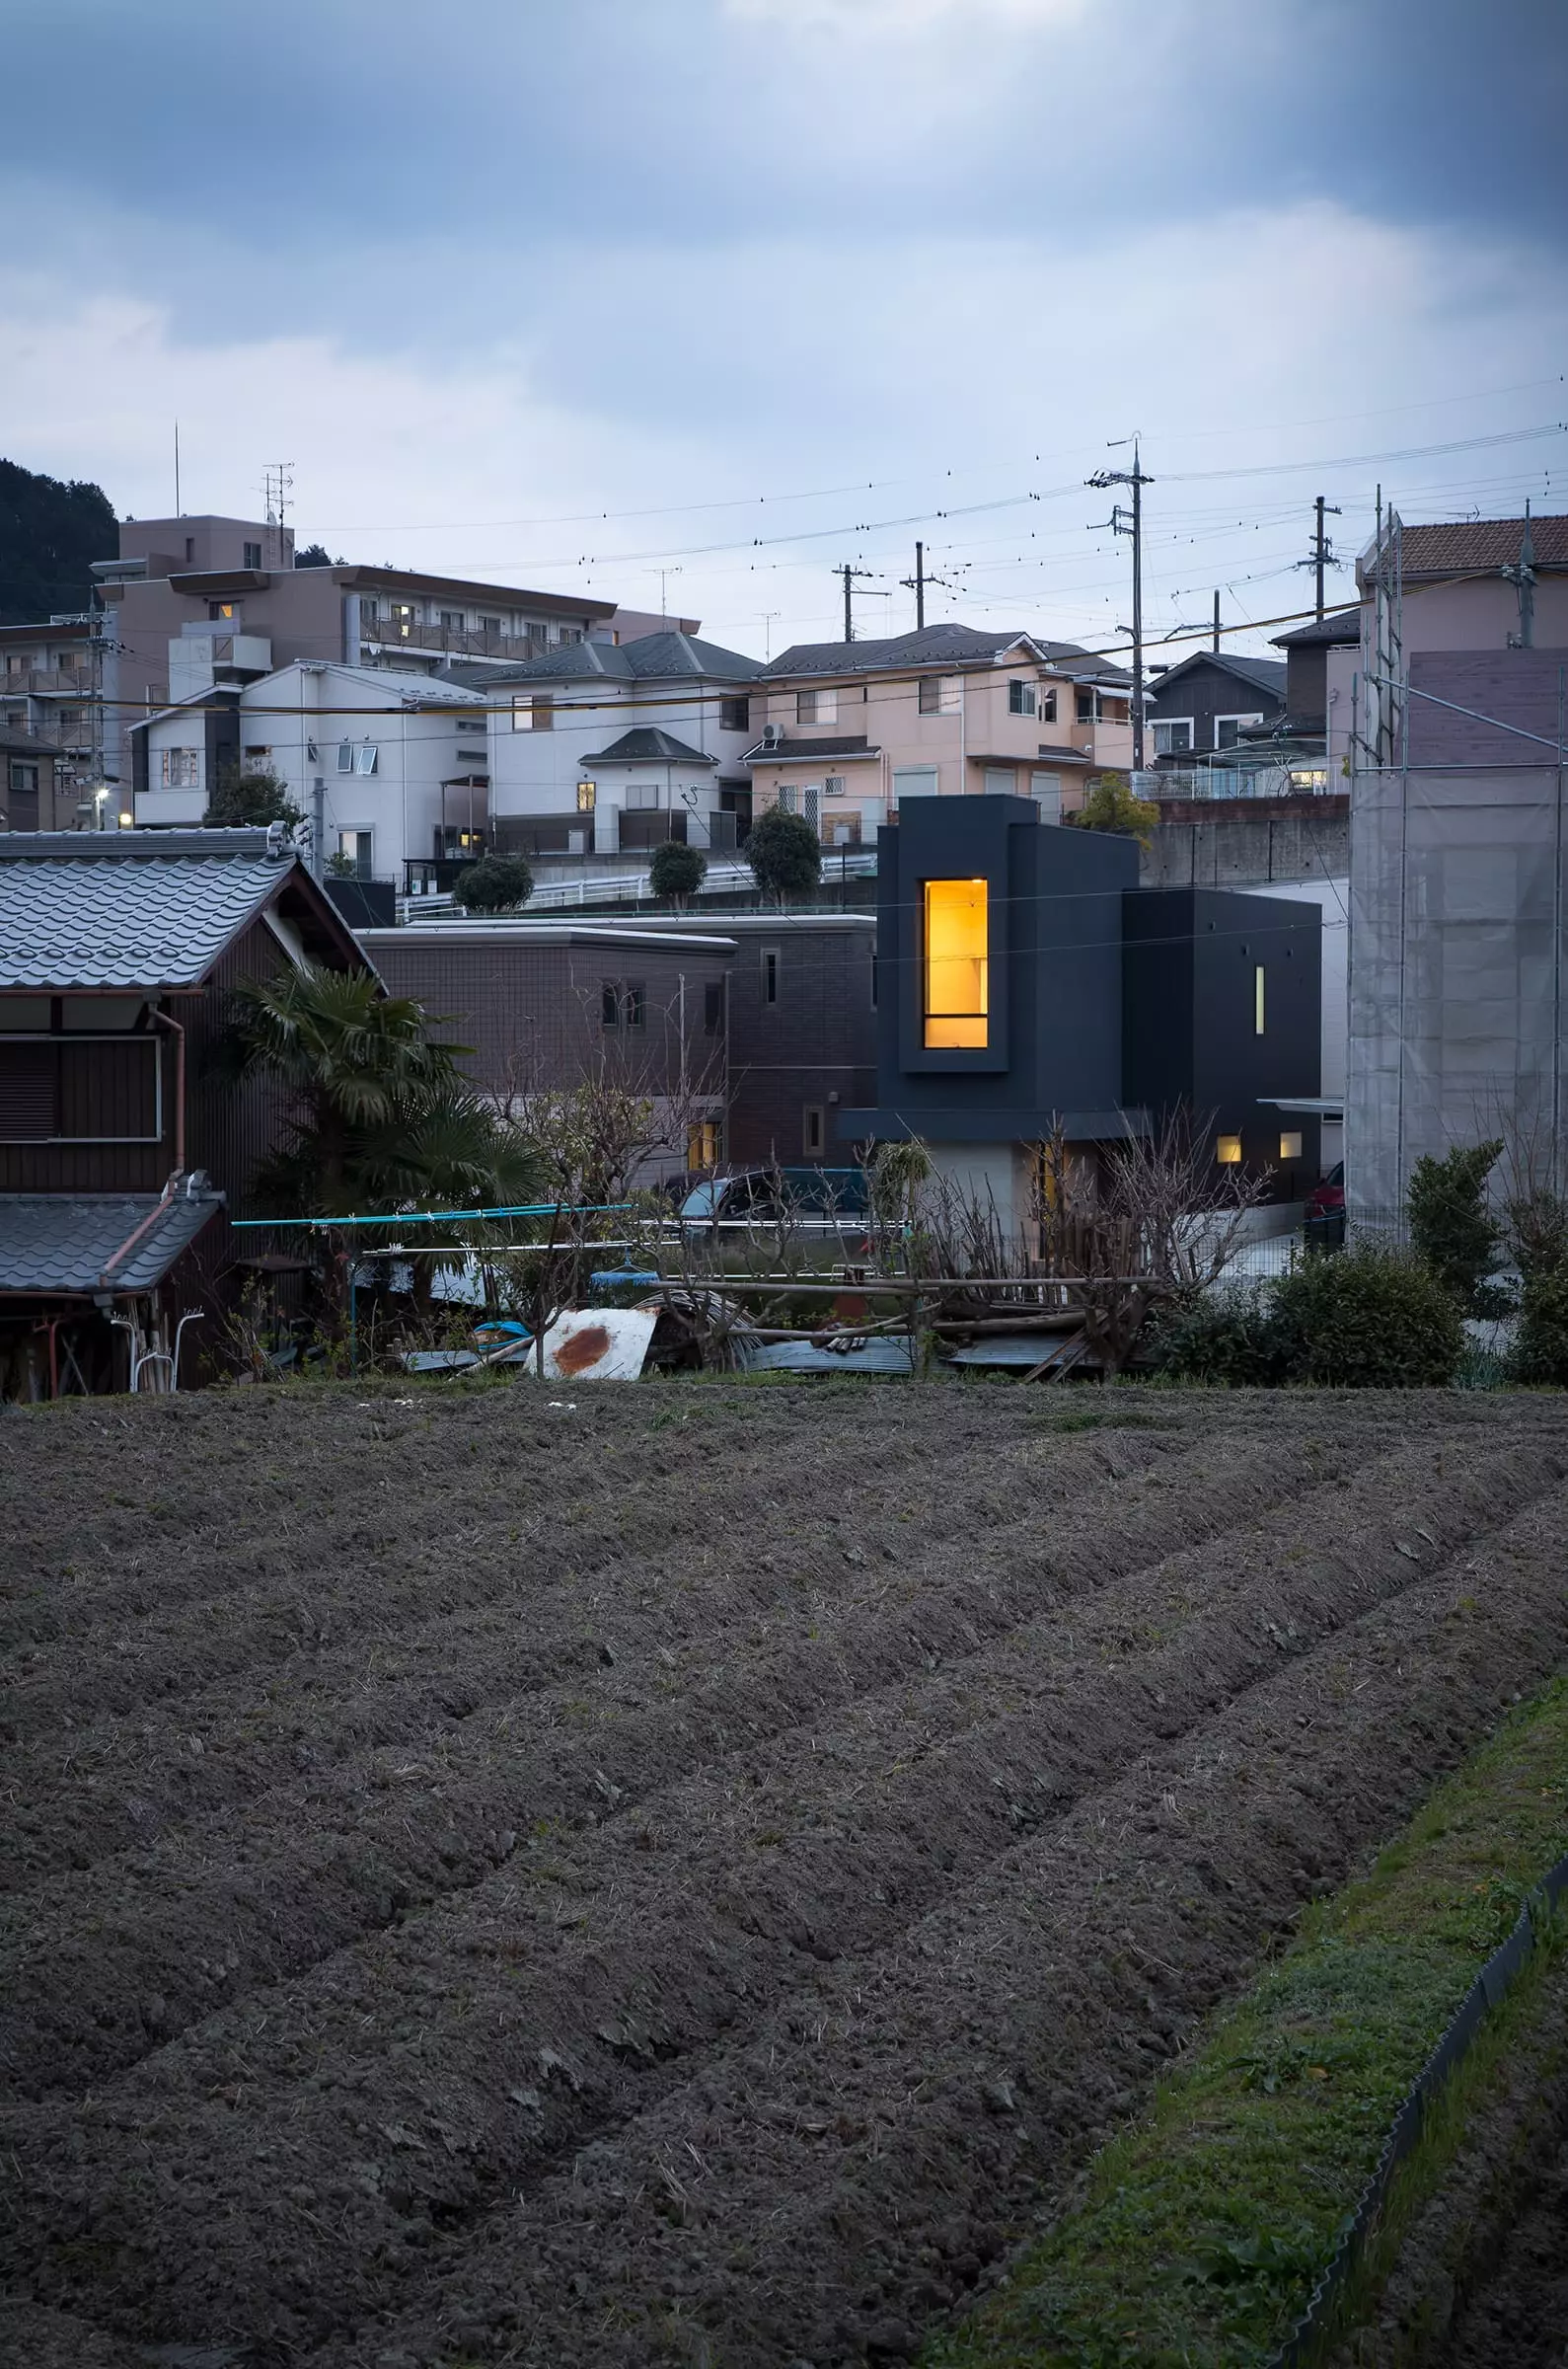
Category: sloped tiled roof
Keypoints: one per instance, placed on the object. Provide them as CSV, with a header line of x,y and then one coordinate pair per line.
x,y
1343,627
808,752
67,1241
127,909
1260,675
1465,546
647,745
933,645
650,657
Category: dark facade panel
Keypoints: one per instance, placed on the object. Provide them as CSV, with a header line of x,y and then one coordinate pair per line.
x,y
1206,692
802,1040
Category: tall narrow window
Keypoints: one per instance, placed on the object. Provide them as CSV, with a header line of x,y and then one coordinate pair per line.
x,y
813,1131
1228,1150
957,963
1257,1001
770,975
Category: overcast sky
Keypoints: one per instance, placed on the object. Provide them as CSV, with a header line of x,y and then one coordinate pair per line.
x,y
564,294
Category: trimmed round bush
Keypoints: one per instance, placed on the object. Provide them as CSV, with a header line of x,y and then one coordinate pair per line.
x,y
1367,1319
494,885
677,871
785,855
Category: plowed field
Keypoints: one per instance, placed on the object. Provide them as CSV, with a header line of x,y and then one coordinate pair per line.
x,y
686,1877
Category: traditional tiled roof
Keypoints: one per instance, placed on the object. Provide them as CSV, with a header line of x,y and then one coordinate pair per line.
x,y
1343,627
936,646
70,1241
127,909
1475,547
646,744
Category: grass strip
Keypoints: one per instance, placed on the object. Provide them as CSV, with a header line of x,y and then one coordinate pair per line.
x,y
1202,2231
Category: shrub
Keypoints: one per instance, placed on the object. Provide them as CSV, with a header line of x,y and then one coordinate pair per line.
x,y
1541,1345
494,885
1451,1225
1537,1230
254,798
785,855
1110,804
677,871
1368,1319
1226,1338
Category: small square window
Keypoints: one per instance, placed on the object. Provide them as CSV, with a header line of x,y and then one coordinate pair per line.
x,y
817,707
1290,1144
367,756
734,715
1227,1151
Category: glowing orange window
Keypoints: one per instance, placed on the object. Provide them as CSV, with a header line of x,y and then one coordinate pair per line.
x,y
958,966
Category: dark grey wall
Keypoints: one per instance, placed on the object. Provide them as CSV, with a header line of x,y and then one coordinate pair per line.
x,y
1189,1023
1055,916
813,1048
1526,688
1208,691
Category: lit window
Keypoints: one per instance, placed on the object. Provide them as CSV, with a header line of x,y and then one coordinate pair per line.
x,y
587,791
702,1144
1020,699
1227,1151
957,963
1291,1145
1257,1001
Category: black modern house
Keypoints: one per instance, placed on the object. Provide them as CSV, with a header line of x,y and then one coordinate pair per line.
x,y
1028,983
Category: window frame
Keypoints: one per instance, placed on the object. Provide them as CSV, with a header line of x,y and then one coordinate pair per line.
x,y
1022,698
1174,724
813,1130
819,705
1251,715
949,1026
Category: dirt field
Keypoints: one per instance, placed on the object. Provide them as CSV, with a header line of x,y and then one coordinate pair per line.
x,y
686,1877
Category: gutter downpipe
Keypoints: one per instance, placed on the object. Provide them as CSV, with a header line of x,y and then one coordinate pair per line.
x,y
163,1020
118,1258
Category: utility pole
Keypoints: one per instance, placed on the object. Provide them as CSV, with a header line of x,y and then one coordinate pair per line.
x,y
917,583
1321,555
848,575
1135,478
1522,576
1216,618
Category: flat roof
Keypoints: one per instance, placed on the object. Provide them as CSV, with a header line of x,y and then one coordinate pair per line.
x,y
522,931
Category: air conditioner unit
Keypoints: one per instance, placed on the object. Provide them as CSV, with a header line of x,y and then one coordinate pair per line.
x,y
773,735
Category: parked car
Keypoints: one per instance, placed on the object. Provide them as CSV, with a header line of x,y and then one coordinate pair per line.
x,y
1323,1227
819,1199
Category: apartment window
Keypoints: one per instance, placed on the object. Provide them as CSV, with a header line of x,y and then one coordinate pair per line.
x,y
813,1131
713,1006
190,548
1000,781
489,625
734,715
401,619
1258,1013
355,846
817,707
179,767
1228,729
770,974
1172,735
702,1144
956,964
939,694
1048,705
587,797
533,714
83,1092
65,661
70,720
24,778
642,797
835,786
252,555
221,612
1290,1144
1020,697
346,756
1228,1150
452,619
913,781
256,758
609,1005
1083,704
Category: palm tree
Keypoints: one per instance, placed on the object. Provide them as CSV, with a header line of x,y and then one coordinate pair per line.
x,y
383,1114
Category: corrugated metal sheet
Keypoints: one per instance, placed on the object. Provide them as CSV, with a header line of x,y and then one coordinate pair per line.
x,y
858,1357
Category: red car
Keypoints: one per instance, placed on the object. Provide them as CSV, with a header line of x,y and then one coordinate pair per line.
x,y
1328,1197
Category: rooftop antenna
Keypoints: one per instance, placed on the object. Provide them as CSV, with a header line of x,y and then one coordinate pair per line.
x,y
275,484
662,574
179,512
765,618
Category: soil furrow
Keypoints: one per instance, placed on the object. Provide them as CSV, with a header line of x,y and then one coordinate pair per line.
x,y
653,1977
389,1834
827,2184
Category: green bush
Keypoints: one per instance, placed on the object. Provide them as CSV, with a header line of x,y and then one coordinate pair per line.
x,y
494,885
1541,1345
1368,1319
1226,1338
785,855
1450,1226
677,871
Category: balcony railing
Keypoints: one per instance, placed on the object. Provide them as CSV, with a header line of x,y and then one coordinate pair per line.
x,y
455,641
1239,781
47,679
